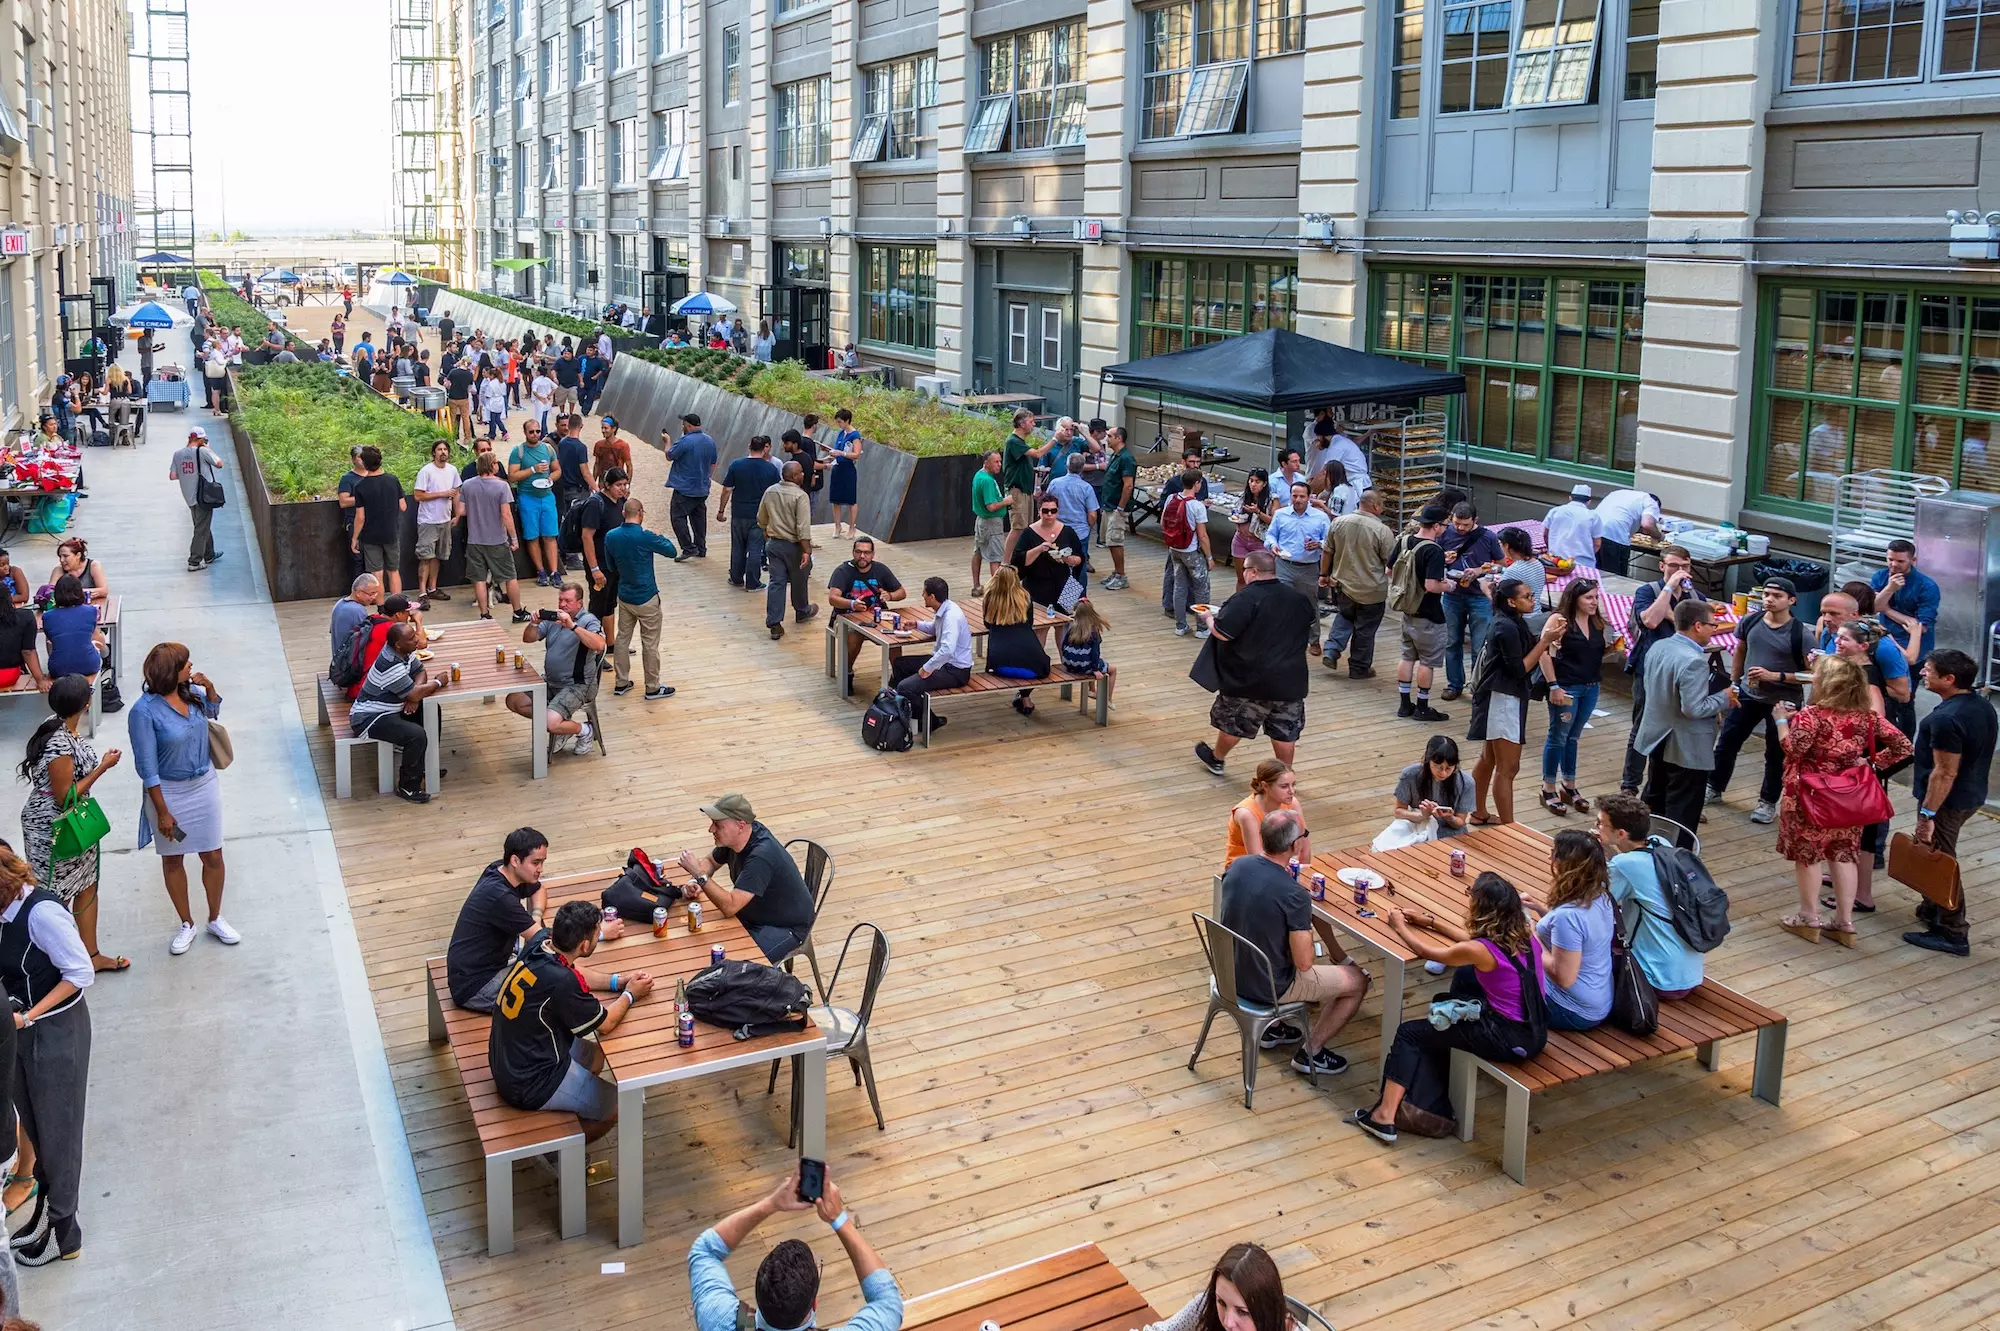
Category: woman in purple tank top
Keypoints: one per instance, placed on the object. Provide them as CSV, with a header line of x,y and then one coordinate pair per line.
x,y
1499,962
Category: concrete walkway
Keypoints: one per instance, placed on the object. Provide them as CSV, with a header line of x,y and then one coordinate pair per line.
x,y
245,1162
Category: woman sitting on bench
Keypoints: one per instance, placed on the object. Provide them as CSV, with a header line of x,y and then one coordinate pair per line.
x,y
1013,648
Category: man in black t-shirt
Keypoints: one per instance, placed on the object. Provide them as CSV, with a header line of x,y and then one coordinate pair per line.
x,y
862,585
539,1046
767,894
603,513
1423,632
1954,751
458,382
568,374
1255,661
506,905
378,520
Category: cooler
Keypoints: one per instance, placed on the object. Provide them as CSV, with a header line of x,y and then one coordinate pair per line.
x,y
1958,545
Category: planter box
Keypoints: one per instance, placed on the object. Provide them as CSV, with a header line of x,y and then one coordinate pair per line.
x,y
901,497
468,314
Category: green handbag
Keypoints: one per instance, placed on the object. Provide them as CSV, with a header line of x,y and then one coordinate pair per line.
x,y
78,828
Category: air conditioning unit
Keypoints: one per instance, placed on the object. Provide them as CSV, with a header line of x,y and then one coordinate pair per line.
x,y
934,385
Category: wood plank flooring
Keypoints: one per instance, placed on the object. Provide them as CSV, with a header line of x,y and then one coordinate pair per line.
x,y
1035,877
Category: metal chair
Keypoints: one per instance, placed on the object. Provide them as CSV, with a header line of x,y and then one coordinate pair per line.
x,y
1674,834
1305,1316
846,1030
1222,946
818,870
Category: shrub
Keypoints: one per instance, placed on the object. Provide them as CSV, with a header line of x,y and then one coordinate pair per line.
x,y
304,418
534,314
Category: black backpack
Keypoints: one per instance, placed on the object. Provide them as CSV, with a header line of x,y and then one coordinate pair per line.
x,y
640,889
888,725
1700,909
346,670
749,998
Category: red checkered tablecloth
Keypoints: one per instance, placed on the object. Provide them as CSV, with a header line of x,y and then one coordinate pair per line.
x,y
1617,608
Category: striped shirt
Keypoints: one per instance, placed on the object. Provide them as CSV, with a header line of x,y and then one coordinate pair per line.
x,y
388,683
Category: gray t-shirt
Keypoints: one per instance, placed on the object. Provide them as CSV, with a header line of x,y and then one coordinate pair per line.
x,y
559,665
192,463
1771,648
486,498
1458,793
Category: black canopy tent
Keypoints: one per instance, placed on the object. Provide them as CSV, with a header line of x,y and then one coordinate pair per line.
x,y
1278,371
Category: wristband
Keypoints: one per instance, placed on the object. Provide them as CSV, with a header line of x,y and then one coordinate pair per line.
x,y
1928,815
839,1220
614,982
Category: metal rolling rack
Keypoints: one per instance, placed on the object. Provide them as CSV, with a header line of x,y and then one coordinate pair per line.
x,y
1873,508
1406,461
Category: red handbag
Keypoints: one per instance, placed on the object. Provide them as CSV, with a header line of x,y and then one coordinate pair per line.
x,y
1850,797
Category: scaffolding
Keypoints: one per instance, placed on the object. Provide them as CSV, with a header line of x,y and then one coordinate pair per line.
x,y
425,134
163,152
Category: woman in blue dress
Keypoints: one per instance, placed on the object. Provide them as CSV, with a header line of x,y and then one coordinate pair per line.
x,y
844,484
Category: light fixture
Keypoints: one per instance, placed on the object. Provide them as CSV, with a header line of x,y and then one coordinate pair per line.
x,y
1973,236
1023,227
826,227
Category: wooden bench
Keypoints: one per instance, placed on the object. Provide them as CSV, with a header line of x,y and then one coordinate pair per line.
x,y
333,707
987,682
506,1134
1701,1022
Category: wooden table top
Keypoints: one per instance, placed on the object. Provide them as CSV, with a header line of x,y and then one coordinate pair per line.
x,y
1421,879
1077,1289
975,619
471,645
107,610
645,1047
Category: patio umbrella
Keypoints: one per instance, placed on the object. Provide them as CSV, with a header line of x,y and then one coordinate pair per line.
x,y
701,302
151,315
279,275
516,265
398,279
162,258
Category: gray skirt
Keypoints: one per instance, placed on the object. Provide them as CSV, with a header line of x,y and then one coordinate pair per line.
x,y
196,806
1499,716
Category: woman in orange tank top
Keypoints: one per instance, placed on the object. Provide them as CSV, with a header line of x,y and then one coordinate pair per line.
x,y
1274,786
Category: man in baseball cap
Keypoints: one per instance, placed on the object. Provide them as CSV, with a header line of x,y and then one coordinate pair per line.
x,y
767,894
191,465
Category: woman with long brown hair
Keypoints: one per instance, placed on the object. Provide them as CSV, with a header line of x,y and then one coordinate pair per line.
x,y
1575,669
1577,931
1500,690
1273,786
1836,731
1500,1010
181,810
1013,648
1244,1293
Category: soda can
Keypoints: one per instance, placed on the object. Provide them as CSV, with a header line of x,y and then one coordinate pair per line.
x,y
499,654
716,954
1319,887
1458,864
611,914
1295,868
659,921
1361,892
694,917
878,616
684,1029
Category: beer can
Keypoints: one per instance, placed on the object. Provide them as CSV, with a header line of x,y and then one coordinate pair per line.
x,y
499,654
659,921
455,672
878,616
684,1029
694,917
1458,864
1295,868
1319,887
520,661
716,954
1361,892
611,914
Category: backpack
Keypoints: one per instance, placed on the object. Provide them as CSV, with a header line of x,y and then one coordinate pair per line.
x,y
1406,583
1700,909
346,669
888,724
1797,642
749,998
1174,523
639,889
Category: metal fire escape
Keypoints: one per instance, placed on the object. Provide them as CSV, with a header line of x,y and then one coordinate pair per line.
x,y
163,152
425,132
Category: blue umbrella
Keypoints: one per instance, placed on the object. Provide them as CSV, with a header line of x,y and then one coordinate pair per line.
x,y
162,258
279,275
150,315
703,303
398,279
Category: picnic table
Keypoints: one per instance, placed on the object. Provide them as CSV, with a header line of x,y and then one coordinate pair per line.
x,y
645,1052
1077,1289
107,619
471,646
838,627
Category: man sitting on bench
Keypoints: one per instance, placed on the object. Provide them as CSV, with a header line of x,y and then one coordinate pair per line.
x,y
505,907
950,666
539,1046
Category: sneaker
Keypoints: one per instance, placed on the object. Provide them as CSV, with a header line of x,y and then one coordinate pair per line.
x,y
520,616
662,692
583,742
1426,712
937,722
1182,630
1205,755
1407,707
1713,796
1322,1061
805,614
1329,660
1279,1033
620,690
214,555
183,938
777,631
1362,1118
196,566
683,556
423,603
1201,635
417,796
562,744
485,614
1932,941
1765,812
223,933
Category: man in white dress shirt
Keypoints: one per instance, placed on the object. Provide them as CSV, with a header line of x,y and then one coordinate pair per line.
x,y
950,666
1621,514
1574,530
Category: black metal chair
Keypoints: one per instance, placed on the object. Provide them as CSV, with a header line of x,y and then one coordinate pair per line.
x,y
847,1029
818,871
1306,1317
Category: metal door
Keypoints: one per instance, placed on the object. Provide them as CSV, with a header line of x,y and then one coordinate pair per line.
x,y
811,325
1037,349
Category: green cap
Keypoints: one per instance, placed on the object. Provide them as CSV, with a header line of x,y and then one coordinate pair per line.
x,y
730,807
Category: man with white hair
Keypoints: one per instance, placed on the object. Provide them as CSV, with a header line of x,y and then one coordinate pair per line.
x,y
1574,530
353,609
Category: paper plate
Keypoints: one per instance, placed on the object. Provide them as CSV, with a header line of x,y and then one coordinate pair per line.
x,y
543,483
1367,878
422,655
1202,609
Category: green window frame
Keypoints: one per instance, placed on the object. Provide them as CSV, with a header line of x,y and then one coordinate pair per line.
x,y
899,297
1190,300
1550,358
1853,376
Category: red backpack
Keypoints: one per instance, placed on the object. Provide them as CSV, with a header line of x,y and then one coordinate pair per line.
x,y
1174,523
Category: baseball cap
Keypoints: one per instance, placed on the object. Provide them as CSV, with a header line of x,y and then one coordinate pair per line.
x,y
1431,516
1782,584
735,807
1579,491
196,432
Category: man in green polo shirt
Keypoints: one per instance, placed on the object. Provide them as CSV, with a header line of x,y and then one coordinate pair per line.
x,y
989,519
1114,498
1018,471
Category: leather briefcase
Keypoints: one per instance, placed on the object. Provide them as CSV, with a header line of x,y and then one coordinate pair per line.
x,y
1932,873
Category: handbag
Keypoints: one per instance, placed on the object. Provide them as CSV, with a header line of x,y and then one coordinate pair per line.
x,y
1071,593
1931,872
1850,797
78,828
221,752
1635,1004
208,491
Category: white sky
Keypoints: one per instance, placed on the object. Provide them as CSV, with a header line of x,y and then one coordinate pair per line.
x,y
291,113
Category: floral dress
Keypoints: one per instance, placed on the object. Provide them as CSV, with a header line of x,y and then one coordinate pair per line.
x,y
38,817
1824,741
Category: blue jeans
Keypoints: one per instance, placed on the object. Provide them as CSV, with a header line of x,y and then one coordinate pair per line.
x,y
1466,619
1560,1020
1566,724
746,553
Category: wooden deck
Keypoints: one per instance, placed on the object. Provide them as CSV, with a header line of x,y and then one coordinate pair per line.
x,y
1036,877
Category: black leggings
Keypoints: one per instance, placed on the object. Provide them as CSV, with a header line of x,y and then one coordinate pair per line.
x,y
1420,1059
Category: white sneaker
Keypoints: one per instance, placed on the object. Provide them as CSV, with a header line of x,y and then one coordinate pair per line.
x,y
183,939
583,741
223,933
1764,813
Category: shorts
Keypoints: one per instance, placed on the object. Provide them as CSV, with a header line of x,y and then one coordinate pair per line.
x,y
1022,508
604,602
434,540
376,558
538,515
1283,722
989,539
488,563
573,698
583,1092
1319,984
1423,641
1501,716
1115,523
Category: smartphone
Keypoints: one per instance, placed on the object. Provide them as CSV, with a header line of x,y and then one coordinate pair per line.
x,y
547,616
812,1179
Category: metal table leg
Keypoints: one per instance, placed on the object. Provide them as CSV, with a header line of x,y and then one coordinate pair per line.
x,y
433,760
1392,1000
538,727
811,1083
631,1166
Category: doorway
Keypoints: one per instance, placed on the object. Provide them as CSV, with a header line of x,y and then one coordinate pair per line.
x,y
1037,348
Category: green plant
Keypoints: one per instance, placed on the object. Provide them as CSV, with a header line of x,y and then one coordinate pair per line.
x,y
534,314
303,419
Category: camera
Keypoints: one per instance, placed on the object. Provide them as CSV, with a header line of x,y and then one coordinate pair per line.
x,y
548,616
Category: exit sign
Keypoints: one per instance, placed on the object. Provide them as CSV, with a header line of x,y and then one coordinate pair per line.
x,y
13,242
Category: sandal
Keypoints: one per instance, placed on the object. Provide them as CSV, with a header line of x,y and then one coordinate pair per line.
x,y
1576,799
1844,937
1024,707
34,1191
111,963
1802,927
1553,802
1859,909
1484,819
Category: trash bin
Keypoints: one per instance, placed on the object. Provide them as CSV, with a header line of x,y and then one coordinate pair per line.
x,y
1808,577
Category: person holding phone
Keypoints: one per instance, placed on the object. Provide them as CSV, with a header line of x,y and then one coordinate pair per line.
x,y
182,806
788,1277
